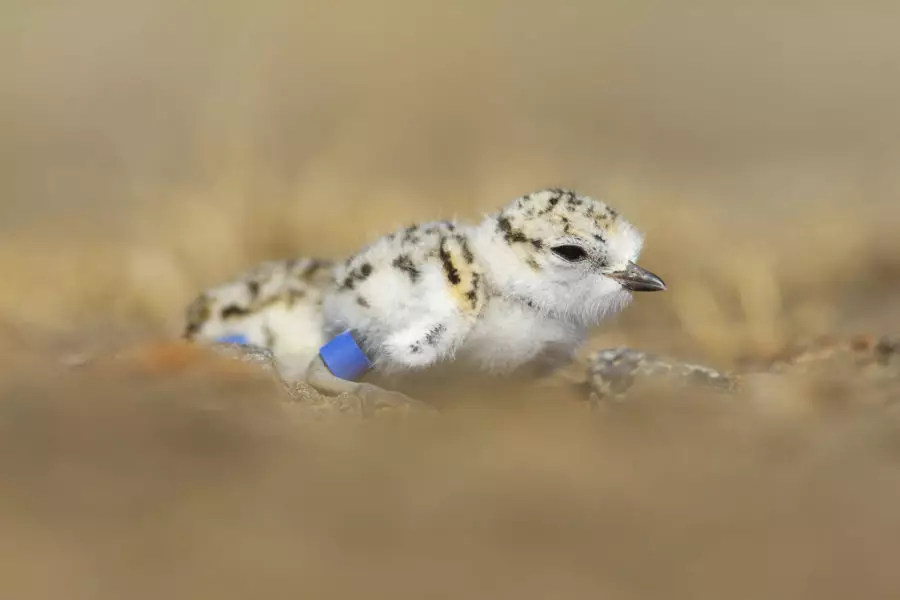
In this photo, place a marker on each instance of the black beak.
(636, 279)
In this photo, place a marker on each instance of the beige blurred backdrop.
(151, 148)
(154, 148)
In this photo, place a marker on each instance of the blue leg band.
(234, 338)
(344, 357)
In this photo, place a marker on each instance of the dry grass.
(150, 149)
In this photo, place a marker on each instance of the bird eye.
(570, 253)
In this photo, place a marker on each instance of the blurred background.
(151, 149)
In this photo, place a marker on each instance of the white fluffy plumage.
(519, 289)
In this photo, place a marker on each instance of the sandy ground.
(150, 149)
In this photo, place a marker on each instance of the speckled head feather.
(571, 255)
(553, 218)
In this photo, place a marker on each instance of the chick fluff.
(518, 290)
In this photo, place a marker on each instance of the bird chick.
(519, 289)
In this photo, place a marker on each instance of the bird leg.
(371, 397)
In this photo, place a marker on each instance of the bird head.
(569, 255)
